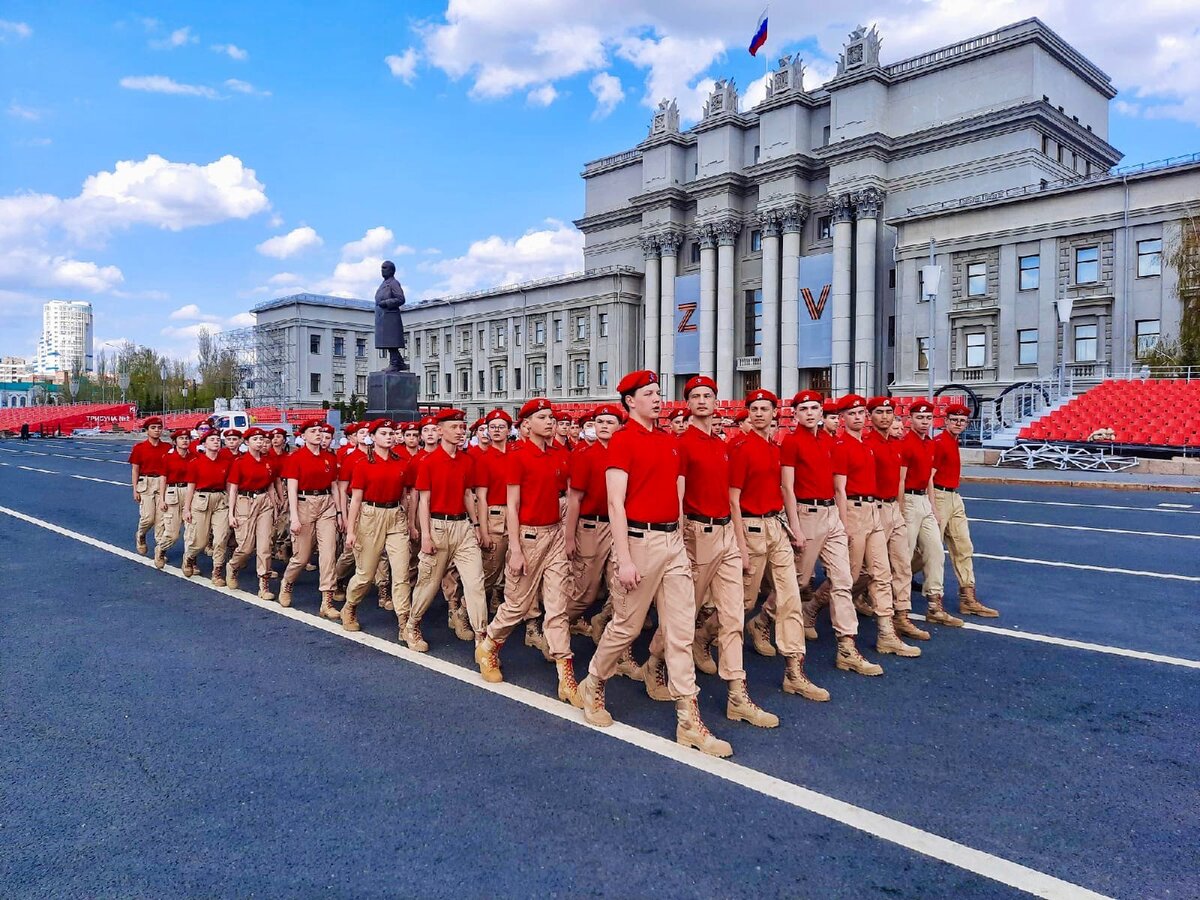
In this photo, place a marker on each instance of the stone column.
(867, 204)
(727, 233)
(789, 303)
(708, 298)
(843, 237)
(668, 245)
(769, 375)
(650, 304)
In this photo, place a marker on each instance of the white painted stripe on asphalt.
(1161, 534)
(115, 462)
(1170, 576)
(64, 474)
(1176, 505)
(1194, 512)
(926, 843)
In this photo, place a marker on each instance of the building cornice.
(611, 219)
(803, 164)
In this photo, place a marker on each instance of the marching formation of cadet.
(717, 524)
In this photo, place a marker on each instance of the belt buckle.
(529, 536)
(636, 533)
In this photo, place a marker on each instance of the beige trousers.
(256, 515)
(493, 559)
(825, 539)
(171, 521)
(924, 535)
(454, 544)
(149, 514)
(956, 535)
(318, 523)
(868, 552)
(771, 556)
(547, 573)
(593, 548)
(899, 556)
(212, 522)
(381, 538)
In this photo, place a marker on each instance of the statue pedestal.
(392, 395)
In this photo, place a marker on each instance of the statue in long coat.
(389, 326)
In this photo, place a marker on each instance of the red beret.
(425, 420)
(380, 423)
(350, 427)
(678, 414)
(879, 403)
(181, 432)
(479, 423)
(498, 415)
(920, 406)
(635, 381)
(957, 409)
(284, 431)
(807, 397)
(534, 405)
(698, 381)
(231, 432)
(852, 401)
(740, 414)
(253, 431)
(327, 428)
(762, 394)
(449, 415)
(585, 417)
(563, 415)
(153, 420)
(831, 406)
(609, 409)
(410, 426)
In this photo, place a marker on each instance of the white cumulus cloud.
(607, 90)
(191, 313)
(295, 241)
(552, 250)
(245, 87)
(372, 243)
(23, 112)
(180, 37)
(403, 66)
(542, 96)
(12, 29)
(161, 84)
(233, 51)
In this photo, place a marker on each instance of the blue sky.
(147, 154)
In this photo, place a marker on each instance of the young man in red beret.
(252, 486)
(280, 447)
(348, 456)
(172, 491)
(446, 482)
(739, 427)
(756, 503)
(205, 509)
(537, 555)
(491, 499)
(710, 537)
(146, 470)
(952, 515)
(917, 505)
(677, 421)
(831, 416)
(644, 494)
(313, 516)
(817, 528)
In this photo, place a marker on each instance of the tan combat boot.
(385, 595)
(850, 660)
(487, 656)
(809, 607)
(231, 576)
(535, 638)
(702, 654)
(654, 673)
(411, 635)
(189, 567)
(328, 610)
(628, 668)
(218, 574)
(600, 620)
(462, 625)
(349, 617)
(591, 692)
(264, 588)
(887, 641)
(691, 731)
(740, 708)
(568, 689)
(862, 600)
(339, 591)
(759, 630)
(969, 605)
(906, 628)
(140, 543)
(285, 593)
(160, 557)
(581, 627)
(939, 616)
(795, 681)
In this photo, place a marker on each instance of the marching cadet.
(537, 556)
(562, 429)
(349, 455)
(281, 446)
(677, 421)
(738, 428)
(714, 553)
(916, 471)
(172, 491)
(314, 516)
(756, 501)
(146, 471)
(327, 435)
(279, 443)
(231, 443)
(891, 516)
(252, 500)
(952, 515)
(412, 438)
(651, 562)
(808, 493)
(587, 428)
(446, 482)
(576, 429)
(205, 509)
(858, 504)
(377, 526)
(831, 416)
(492, 500)
(479, 436)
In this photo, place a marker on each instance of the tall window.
(516, 379)
(753, 323)
(923, 354)
(602, 324)
(581, 324)
(498, 379)
(464, 381)
(339, 384)
(695, 253)
(1147, 336)
(558, 378)
(539, 377)
(449, 345)
(1027, 347)
(339, 345)
(360, 348)
(516, 335)
(539, 332)
(482, 338)
(580, 374)
(360, 384)
(976, 352)
(922, 297)
(602, 374)
(755, 241)
(824, 228)
(558, 331)
(1085, 343)
(1029, 272)
(502, 336)
(314, 383)
(479, 380)
(1087, 265)
(977, 279)
(464, 341)
(1149, 258)
(449, 383)
(314, 343)
(431, 384)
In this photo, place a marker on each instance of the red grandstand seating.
(1153, 412)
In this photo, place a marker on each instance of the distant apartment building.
(66, 342)
(13, 368)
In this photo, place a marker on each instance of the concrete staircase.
(1007, 437)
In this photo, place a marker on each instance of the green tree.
(1184, 257)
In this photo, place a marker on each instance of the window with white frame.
(581, 373)
(339, 384)
(360, 347)
(1087, 265)
(824, 228)
(923, 354)
(517, 335)
(558, 378)
(1147, 336)
(1029, 272)
(464, 381)
(339, 345)
(539, 377)
(581, 330)
(539, 332)
(558, 331)
(602, 374)
(977, 279)
(976, 350)
(1027, 347)
(431, 384)
(1149, 254)
(314, 383)
(1086, 348)
(360, 384)
(602, 324)
(755, 241)
(501, 339)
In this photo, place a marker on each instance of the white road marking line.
(1194, 512)
(1086, 568)
(978, 862)
(1176, 505)
(30, 452)
(1161, 534)
(115, 462)
(64, 474)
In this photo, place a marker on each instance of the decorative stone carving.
(650, 246)
(706, 234)
(768, 221)
(722, 101)
(843, 209)
(666, 118)
(868, 202)
(727, 231)
(669, 241)
(861, 51)
(793, 219)
(788, 78)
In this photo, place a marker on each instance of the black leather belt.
(324, 493)
(391, 504)
(594, 518)
(177, 484)
(708, 520)
(887, 499)
(653, 526)
(251, 493)
(448, 517)
(938, 487)
(561, 494)
(917, 492)
(746, 514)
(862, 498)
(210, 490)
(812, 501)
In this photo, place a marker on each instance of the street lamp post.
(123, 380)
(1064, 305)
(73, 384)
(163, 372)
(931, 276)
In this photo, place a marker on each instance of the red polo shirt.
(447, 478)
(854, 459)
(651, 459)
(208, 474)
(704, 461)
(493, 469)
(947, 462)
(250, 474)
(538, 473)
(916, 454)
(414, 466)
(226, 453)
(175, 467)
(887, 464)
(589, 467)
(809, 456)
(564, 469)
(754, 469)
(149, 458)
(735, 437)
(381, 480)
(311, 471)
(348, 462)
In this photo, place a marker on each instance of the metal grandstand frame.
(264, 357)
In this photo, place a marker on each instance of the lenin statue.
(389, 327)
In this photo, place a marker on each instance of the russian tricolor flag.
(760, 36)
